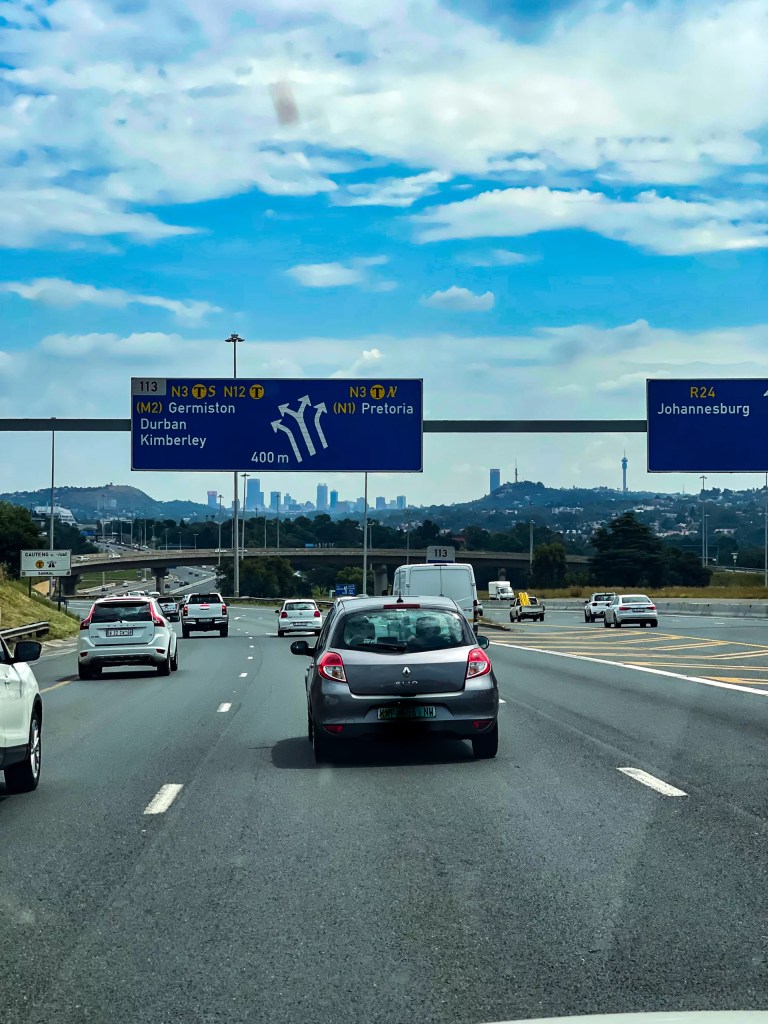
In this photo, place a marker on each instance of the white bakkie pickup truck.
(595, 607)
(204, 612)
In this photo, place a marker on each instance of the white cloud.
(500, 258)
(325, 275)
(367, 362)
(392, 191)
(149, 345)
(341, 275)
(31, 216)
(663, 225)
(460, 300)
(58, 292)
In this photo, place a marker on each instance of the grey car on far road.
(383, 666)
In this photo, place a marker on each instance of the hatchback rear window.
(413, 631)
(300, 606)
(603, 597)
(131, 611)
(204, 599)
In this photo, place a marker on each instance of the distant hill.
(108, 500)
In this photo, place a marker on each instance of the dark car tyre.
(224, 631)
(175, 660)
(164, 669)
(24, 777)
(487, 745)
(280, 632)
(321, 746)
(606, 623)
(617, 623)
(185, 632)
(84, 672)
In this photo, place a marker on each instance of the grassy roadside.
(17, 609)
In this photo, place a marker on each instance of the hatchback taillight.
(331, 666)
(317, 614)
(157, 619)
(86, 622)
(478, 663)
(283, 615)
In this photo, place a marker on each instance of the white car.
(631, 608)
(21, 717)
(126, 631)
(299, 616)
(595, 607)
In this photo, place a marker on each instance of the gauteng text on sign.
(46, 563)
(702, 426)
(208, 425)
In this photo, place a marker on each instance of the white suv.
(299, 616)
(126, 631)
(21, 717)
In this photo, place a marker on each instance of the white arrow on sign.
(277, 425)
(299, 417)
(320, 409)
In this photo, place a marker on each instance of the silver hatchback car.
(383, 666)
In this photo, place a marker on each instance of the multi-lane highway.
(405, 884)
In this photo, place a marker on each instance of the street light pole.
(220, 496)
(530, 544)
(245, 490)
(234, 340)
(703, 553)
(765, 537)
(365, 535)
(52, 583)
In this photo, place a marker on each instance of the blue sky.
(532, 206)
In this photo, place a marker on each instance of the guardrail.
(20, 632)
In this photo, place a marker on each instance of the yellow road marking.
(56, 686)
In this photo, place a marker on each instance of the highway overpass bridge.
(487, 564)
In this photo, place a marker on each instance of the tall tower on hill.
(624, 473)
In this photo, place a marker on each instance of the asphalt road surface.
(404, 884)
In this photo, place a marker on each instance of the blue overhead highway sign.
(202, 424)
(708, 426)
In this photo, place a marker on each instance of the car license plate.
(421, 711)
(119, 632)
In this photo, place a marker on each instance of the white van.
(455, 580)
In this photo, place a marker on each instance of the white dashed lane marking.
(652, 782)
(163, 799)
(222, 708)
(243, 675)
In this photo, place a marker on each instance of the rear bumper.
(454, 713)
(216, 623)
(120, 655)
(628, 620)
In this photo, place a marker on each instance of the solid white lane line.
(249, 658)
(222, 708)
(636, 668)
(163, 799)
(652, 782)
(502, 701)
(243, 675)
